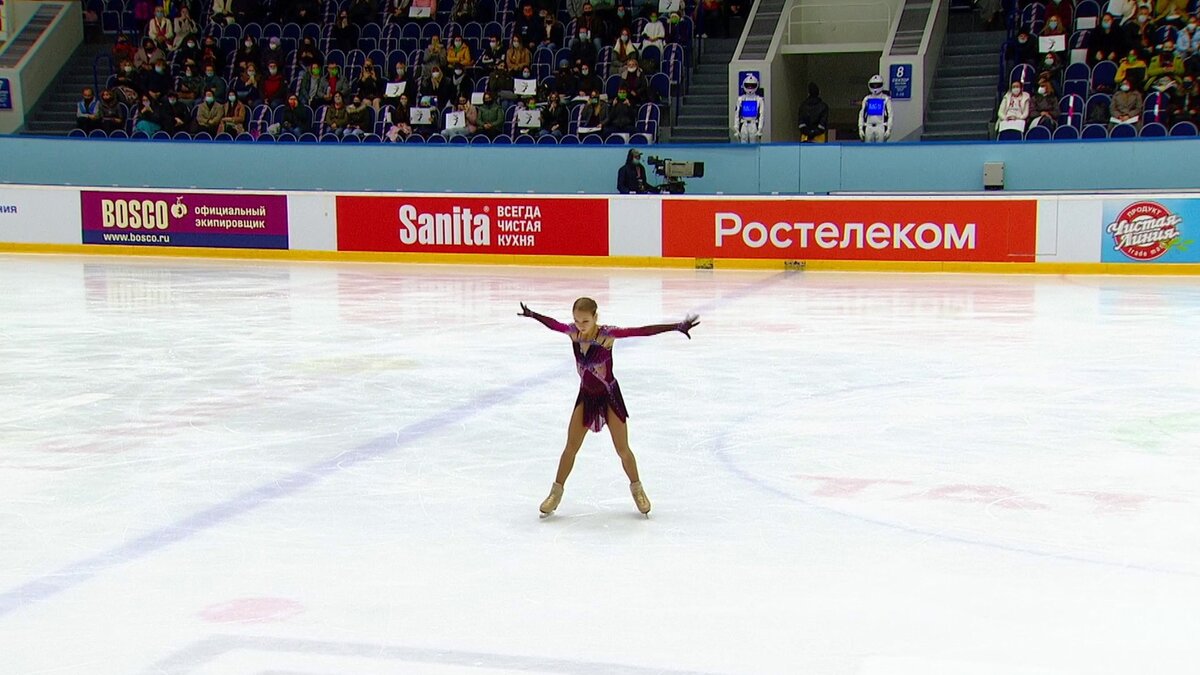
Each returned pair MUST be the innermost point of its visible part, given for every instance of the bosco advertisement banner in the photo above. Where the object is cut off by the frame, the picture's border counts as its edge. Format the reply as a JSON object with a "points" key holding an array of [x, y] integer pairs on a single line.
{"points": [[943, 230], [1158, 231], [216, 220], [504, 225]]}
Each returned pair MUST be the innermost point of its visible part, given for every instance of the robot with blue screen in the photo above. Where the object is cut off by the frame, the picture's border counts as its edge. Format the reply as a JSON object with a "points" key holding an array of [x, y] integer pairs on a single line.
{"points": [[875, 116], [748, 128]]}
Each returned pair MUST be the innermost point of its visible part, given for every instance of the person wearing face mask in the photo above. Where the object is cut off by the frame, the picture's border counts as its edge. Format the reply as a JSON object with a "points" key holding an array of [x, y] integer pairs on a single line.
{"points": [[583, 48], [525, 25], [491, 116], [470, 118], [621, 114], [617, 19], [438, 87], [588, 80], [127, 85], [189, 50], [176, 114], [314, 87], [1027, 48], [111, 115], [1106, 42], [307, 54], [233, 122], [589, 26], [123, 50], [517, 56], [1121, 10], [624, 49], [214, 82], [654, 33], [435, 56], [566, 80], [458, 56], [1045, 106], [297, 118], [160, 29], [635, 82], [464, 11], [1054, 26], [246, 87], [1064, 10], [554, 117], [212, 55], [1126, 106], [1014, 107], [185, 27], [492, 55], [337, 116], [148, 54], [399, 120], [148, 117], [273, 52], [397, 11], [1051, 67], [248, 54], [594, 115], [1139, 30], [1171, 13], [343, 34], [1187, 40], [272, 86], [1166, 62], [222, 12], [461, 83], [1133, 69], [551, 34], [675, 28], [1185, 104], [500, 84], [399, 77], [191, 82]]}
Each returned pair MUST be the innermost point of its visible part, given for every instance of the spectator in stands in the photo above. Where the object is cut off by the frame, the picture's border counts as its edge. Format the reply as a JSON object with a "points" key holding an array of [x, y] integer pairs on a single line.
{"points": [[566, 80], [583, 48], [185, 27], [191, 83], [1051, 66], [716, 22], [147, 116], [675, 28], [575, 7], [429, 126], [214, 82], [1139, 32], [221, 13], [622, 116], [160, 29], [1166, 62], [491, 116], [435, 56], [122, 50], [1054, 26], [1014, 106], [461, 82], [551, 34], [158, 80], [247, 55], [175, 114], [245, 11], [273, 53], [247, 86], [588, 80], [369, 87], [233, 122], [459, 54], [491, 54], [1065, 11], [1184, 105], [148, 54], [654, 33], [1122, 10], [635, 83], [87, 111], [470, 117], [1106, 42], [1045, 106], [606, 10], [211, 54], [399, 77], [297, 119], [337, 116], [464, 11], [111, 115], [1126, 106], [525, 26], [361, 13], [813, 116], [437, 87], [591, 25], [143, 11], [189, 51], [307, 54], [339, 83], [554, 117], [1027, 48], [303, 11], [517, 56], [273, 86], [399, 127], [593, 116], [343, 35], [624, 49], [314, 87], [397, 11], [1172, 13], [1186, 42], [127, 84], [1133, 68]]}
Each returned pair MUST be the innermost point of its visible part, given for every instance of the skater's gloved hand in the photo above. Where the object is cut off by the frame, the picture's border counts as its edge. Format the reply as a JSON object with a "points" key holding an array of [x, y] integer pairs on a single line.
{"points": [[687, 324], [525, 311]]}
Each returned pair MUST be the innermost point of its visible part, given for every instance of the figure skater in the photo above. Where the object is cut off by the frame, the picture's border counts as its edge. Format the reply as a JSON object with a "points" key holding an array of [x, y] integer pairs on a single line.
{"points": [[599, 401]]}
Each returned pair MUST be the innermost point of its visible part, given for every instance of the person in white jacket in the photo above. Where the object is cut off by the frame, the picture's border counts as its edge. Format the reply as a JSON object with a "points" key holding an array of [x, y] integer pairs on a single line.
{"points": [[654, 33], [1014, 106], [1122, 10]]}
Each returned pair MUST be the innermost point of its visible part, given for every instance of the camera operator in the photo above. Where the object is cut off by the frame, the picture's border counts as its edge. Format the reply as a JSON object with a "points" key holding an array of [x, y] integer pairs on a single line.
{"points": [[631, 178]]}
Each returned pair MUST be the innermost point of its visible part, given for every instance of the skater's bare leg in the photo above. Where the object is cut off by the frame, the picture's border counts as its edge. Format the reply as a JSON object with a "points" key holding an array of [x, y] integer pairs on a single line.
{"points": [[575, 433], [620, 438]]}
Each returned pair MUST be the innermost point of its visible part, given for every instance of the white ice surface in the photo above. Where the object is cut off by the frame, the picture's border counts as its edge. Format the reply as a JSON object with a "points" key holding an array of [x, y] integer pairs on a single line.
{"points": [[311, 469]]}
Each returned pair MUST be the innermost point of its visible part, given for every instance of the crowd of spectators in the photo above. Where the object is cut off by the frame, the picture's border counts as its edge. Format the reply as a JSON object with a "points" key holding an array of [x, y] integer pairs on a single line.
{"points": [[340, 68]]}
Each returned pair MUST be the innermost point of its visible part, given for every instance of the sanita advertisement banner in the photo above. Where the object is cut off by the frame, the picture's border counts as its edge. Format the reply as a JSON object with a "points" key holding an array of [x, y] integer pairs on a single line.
{"points": [[216, 220], [1151, 231], [918, 230], [496, 225]]}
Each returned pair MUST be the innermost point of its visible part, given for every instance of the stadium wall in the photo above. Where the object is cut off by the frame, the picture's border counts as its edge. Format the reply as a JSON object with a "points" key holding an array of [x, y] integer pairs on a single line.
{"points": [[1121, 233], [1146, 164]]}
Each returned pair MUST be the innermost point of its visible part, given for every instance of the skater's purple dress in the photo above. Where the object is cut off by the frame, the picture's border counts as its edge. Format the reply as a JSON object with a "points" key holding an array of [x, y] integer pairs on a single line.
{"points": [[598, 388]]}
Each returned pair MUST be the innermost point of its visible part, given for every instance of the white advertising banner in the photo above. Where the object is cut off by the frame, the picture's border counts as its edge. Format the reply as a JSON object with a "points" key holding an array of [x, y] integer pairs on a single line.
{"points": [[36, 215]]}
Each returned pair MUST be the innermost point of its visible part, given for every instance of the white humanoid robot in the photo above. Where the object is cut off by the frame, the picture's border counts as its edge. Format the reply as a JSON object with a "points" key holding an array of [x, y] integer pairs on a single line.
{"points": [[750, 110], [875, 116]]}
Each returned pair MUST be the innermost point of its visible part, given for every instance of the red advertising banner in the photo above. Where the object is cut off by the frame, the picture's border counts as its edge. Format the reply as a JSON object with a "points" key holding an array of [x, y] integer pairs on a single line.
{"points": [[944, 230], [505, 225]]}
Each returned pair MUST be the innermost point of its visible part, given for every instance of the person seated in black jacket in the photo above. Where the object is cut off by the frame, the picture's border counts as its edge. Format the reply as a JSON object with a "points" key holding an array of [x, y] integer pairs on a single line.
{"points": [[631, 177], [814, 116]]}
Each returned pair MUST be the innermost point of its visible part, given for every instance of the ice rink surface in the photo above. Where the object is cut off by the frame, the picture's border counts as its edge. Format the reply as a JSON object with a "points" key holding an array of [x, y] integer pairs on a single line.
{"points": [[237, 468]]}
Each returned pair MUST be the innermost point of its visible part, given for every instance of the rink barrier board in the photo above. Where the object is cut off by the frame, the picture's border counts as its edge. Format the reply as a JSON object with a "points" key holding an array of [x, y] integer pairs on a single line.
{"points": [[1074, 232], [614, 261]]}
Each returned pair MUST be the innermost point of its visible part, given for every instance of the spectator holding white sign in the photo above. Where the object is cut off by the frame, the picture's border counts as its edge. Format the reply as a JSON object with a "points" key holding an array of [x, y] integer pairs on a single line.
{"points": [[1014, 109]]}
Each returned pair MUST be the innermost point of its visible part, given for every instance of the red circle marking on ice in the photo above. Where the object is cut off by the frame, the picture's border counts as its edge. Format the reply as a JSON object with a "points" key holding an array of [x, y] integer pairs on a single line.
{"points": [[252, 610]]}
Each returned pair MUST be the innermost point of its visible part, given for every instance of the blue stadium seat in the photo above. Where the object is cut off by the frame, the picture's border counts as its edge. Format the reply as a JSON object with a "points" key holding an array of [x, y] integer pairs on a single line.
{"points": [[1123, 131], [1183, 129], [1066, 133], [1038, 133], [1094, 131], [1153, 130]]}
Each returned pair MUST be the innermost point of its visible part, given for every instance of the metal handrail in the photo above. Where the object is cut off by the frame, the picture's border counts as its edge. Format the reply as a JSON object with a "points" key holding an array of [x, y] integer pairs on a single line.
{"points": [[854, 9]]}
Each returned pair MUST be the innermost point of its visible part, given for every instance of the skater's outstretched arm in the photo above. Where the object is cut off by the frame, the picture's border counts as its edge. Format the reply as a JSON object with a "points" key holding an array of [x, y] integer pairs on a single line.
{"points": [[547, 321], [642, 331]]}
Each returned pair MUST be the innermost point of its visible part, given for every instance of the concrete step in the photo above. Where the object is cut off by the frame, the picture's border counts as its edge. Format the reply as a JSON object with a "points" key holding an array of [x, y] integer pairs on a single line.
{"points": [[949, 136], [966, 81], [706, 119], [956, 126], [941, 90], [935, 115], [986, 68], [971, 49], [708, 131], [718, 77]]}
